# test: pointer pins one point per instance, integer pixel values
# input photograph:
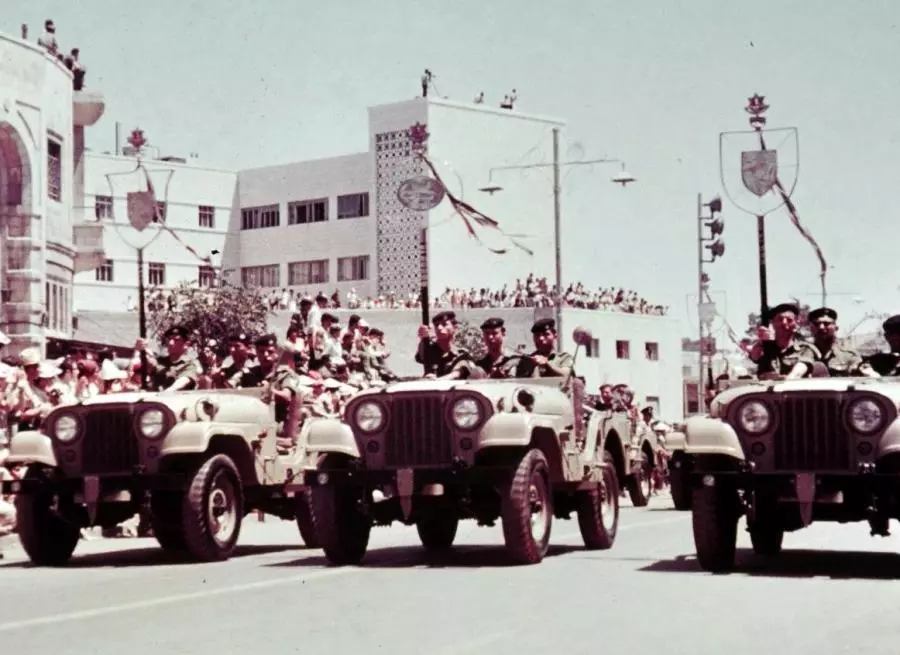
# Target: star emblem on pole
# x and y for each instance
(756, 107)
(418, 136)
(137, 139)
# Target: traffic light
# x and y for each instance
(716, 249)
(716, 226)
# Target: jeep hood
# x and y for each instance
(888, 387)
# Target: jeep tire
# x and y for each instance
(304, 515)
(342, 529)
(213, 510)
(766, 537)
(680, 488)
(47, 538)
(528, 497)
(437, 530)
(640, 486)
(598, 509)
(714, 514)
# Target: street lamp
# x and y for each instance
(624, 178)
(706, 309)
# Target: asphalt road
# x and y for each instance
(832, 591)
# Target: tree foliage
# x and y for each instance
(468, 338)
(753, 321)
(219, 313)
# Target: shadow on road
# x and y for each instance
(840, 565)
(400, 557)
(149, 556)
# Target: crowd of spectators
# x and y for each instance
(71, 61)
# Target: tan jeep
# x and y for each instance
(196, 461)
(432, 452)
(787, 453)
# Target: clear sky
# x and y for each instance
(249, 84)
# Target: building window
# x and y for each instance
(104, 273)
(206, 216)
(161, 210)
(593, 349)
(255, 218)
(54, 169)
(651, 348)
(261, 276)
(623, 349)
(206, 276)
(56, 307)
(687, 371)
(308, 211)
(355, 205)
(311, 272)
(156, 274)
(351, 269)
(103, 207)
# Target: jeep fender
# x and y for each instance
(31, 447)
(675, 441)
(507, 429)
(190, 437)
(889, 444)
(326, 435)
(709, 436)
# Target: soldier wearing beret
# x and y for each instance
(496, 361)
(177, 370)
(239, 370)
(281, 385)
(779, 350)
(437, 354)
(840, 361)
(888, 363)
(545, 362)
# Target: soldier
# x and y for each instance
(281, 384)
(496, 361)
(545, 362)
(840, 361)
(175, 371)
(437, 355)
(239, 370)
(889, 363)
(778, 350)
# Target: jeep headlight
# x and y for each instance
(152, 423)
(755, 417)
(369, 417)
(65, 428)
(865, 415)
(466, 413)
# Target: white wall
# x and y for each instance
(334, 238)
(185, 188)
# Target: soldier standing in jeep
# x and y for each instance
(840, 361)
(779, 350)
(176, 371)
(282, 386)
(437, 355)
(545, 362)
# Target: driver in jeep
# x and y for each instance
(779, 350)
(545, 362)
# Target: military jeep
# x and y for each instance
(434, 452)
(194, 462)
(787, 453)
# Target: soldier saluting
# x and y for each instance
(545, 362)
(177, 370)
(840, 361)
(779, 350)
(495, 362)
(437, 354)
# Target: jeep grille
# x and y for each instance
(418, 434)
(811, 435)
(109, 444)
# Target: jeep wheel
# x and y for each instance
(165, 520)
(766, 538)
(342, 528)
(527, 510)
(679, 488)
(640, 487)
(48, 539)
(598, 509)
(715, 518)
(303, 513)
(213, 510)
(437, 530)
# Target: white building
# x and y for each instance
(43, 241)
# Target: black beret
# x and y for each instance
(177, 331)
(441, 317)
(822, 312)
(892, 324)
(784, 307)
(241, 338)
(321, 296)
(330, 317)
(376, 332)
(543, 325)
(492, 324)
(354, 318)
(266, 340)
(306, 300)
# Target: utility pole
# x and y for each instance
(557, 192)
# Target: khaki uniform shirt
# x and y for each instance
(781, 362)
(528, 369)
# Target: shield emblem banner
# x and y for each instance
(759, 170)
(754, 166)
(141, 209)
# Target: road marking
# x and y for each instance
(248, 586)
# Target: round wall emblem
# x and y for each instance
(421, 193)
